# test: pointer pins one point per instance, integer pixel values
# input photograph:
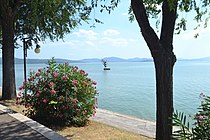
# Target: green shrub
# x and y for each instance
(58, 94)
(201, 126)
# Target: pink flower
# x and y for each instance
(44, 81)
(40, 70)
(65, 106)
(74, 82)
(53, 91)
(24, 82)
(28, 105)
(82, 71)
(94, 82)
(76, 109)
(65, 77)
(68, 100)
(74, 100)
(55, 74)
(21, 87)
(37, 73)
(94, 113)
(19, 94)
(96, 100)
(84, 83)
(66, 64)
(37, 95)
(76, 89)
(45, 101)
(75, 68)
(51, 84)
(200, 117)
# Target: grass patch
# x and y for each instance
(94, 131)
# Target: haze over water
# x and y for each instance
(129, 87)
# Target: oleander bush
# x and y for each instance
(200, 130)
(59, 94)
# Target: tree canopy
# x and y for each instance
(36, 21)
(41, 19)
(198, 10)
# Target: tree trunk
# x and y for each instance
(9, 88)
(164, 64)
(164, 59)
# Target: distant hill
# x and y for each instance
(39, 61)
(198, 59)
(117, 59)
(89, 60)
(109, 59)
(205, 59)
(140, 59)
(31, 61)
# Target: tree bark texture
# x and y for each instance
(164, 95)
(164, 59)
(7, 18)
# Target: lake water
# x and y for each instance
(129, 87)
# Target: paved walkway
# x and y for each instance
(15, 126)
(128, 123)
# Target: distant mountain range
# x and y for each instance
(116, 59)
(109, 59)
(198, 59)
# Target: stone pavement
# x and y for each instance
(125, 122)
(15, 126)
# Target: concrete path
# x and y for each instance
(15, 126)
(128, 123)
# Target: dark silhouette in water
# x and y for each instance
(105, 64)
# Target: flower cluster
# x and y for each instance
(202, 118)
(201, 127)
(59, 93)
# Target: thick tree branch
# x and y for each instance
(168, 24)
(148, 33)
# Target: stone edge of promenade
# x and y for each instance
(132, 124)
(46, 132)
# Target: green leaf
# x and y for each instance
(53, 102)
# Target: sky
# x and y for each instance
(117, 37)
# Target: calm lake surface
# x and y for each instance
(129, 87)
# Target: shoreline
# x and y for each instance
(122, 121)
(126, 122)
